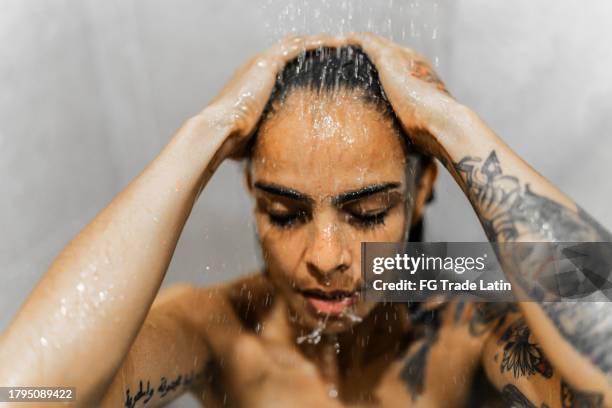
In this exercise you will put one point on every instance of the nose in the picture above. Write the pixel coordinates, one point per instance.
(327, 251)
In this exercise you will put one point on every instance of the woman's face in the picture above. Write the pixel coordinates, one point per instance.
(328, 172)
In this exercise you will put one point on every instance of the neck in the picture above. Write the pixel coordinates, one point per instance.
(382, 334)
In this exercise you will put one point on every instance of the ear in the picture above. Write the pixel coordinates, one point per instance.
(424, 189)
(248, 177)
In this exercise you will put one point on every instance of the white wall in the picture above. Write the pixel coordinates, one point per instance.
(539, 73)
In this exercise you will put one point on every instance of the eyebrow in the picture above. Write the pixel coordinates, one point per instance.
(364, 192)
(338, 200)
(283, 192)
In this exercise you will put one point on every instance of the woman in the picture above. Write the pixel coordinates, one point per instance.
(328, 167)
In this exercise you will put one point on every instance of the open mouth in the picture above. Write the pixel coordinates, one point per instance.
(330, 302)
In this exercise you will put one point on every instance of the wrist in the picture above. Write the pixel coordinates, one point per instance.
(458, 131)
(203, 139)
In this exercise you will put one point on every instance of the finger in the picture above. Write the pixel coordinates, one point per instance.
(418, 66)
(288, 50)
(376, 44)
(381, 40)
(382, 43)
(369, 43)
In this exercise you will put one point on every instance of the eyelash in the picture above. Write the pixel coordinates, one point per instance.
(289, 220)
(286, 220)
(369, 220)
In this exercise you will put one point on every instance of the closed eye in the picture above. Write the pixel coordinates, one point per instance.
(368, 220)
(287, 219)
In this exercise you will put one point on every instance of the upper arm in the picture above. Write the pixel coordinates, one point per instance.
(167, 356)
(516, 365)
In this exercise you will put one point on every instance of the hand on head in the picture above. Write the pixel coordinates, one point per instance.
(242, 100)
(416, 93)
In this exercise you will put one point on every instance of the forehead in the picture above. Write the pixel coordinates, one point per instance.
(326, 144)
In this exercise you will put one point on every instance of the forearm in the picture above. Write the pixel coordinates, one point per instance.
(493, 177)
(79, 322)
(513, 201)
(516, 204)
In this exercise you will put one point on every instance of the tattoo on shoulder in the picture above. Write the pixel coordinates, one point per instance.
(414, 371)
(521, 357)
(514, 398)
(571, 398)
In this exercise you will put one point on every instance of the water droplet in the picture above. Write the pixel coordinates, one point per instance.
(80, 287)
(43, 342)
(350, 314)
(314, 337)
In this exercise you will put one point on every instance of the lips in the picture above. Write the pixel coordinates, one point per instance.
(329, 302)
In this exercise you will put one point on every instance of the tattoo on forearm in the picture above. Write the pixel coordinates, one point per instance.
(510, 211)
(588, 327)
(521, 357)
(165, 386)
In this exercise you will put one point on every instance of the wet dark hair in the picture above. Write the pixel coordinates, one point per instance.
(325, 70)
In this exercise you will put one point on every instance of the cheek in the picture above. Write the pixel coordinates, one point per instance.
(283, 249)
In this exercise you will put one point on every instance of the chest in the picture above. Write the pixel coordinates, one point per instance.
(441, 369)
(437, 370)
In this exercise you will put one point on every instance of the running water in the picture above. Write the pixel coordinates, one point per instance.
(417, 24)
(350, 314)
(314, 337)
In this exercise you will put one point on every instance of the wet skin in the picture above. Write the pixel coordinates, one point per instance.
(284, 338)
(363, 366)
(344, 164)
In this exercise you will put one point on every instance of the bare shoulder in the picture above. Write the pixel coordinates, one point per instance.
(186, 329)
(236, 305)
(249, 286)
